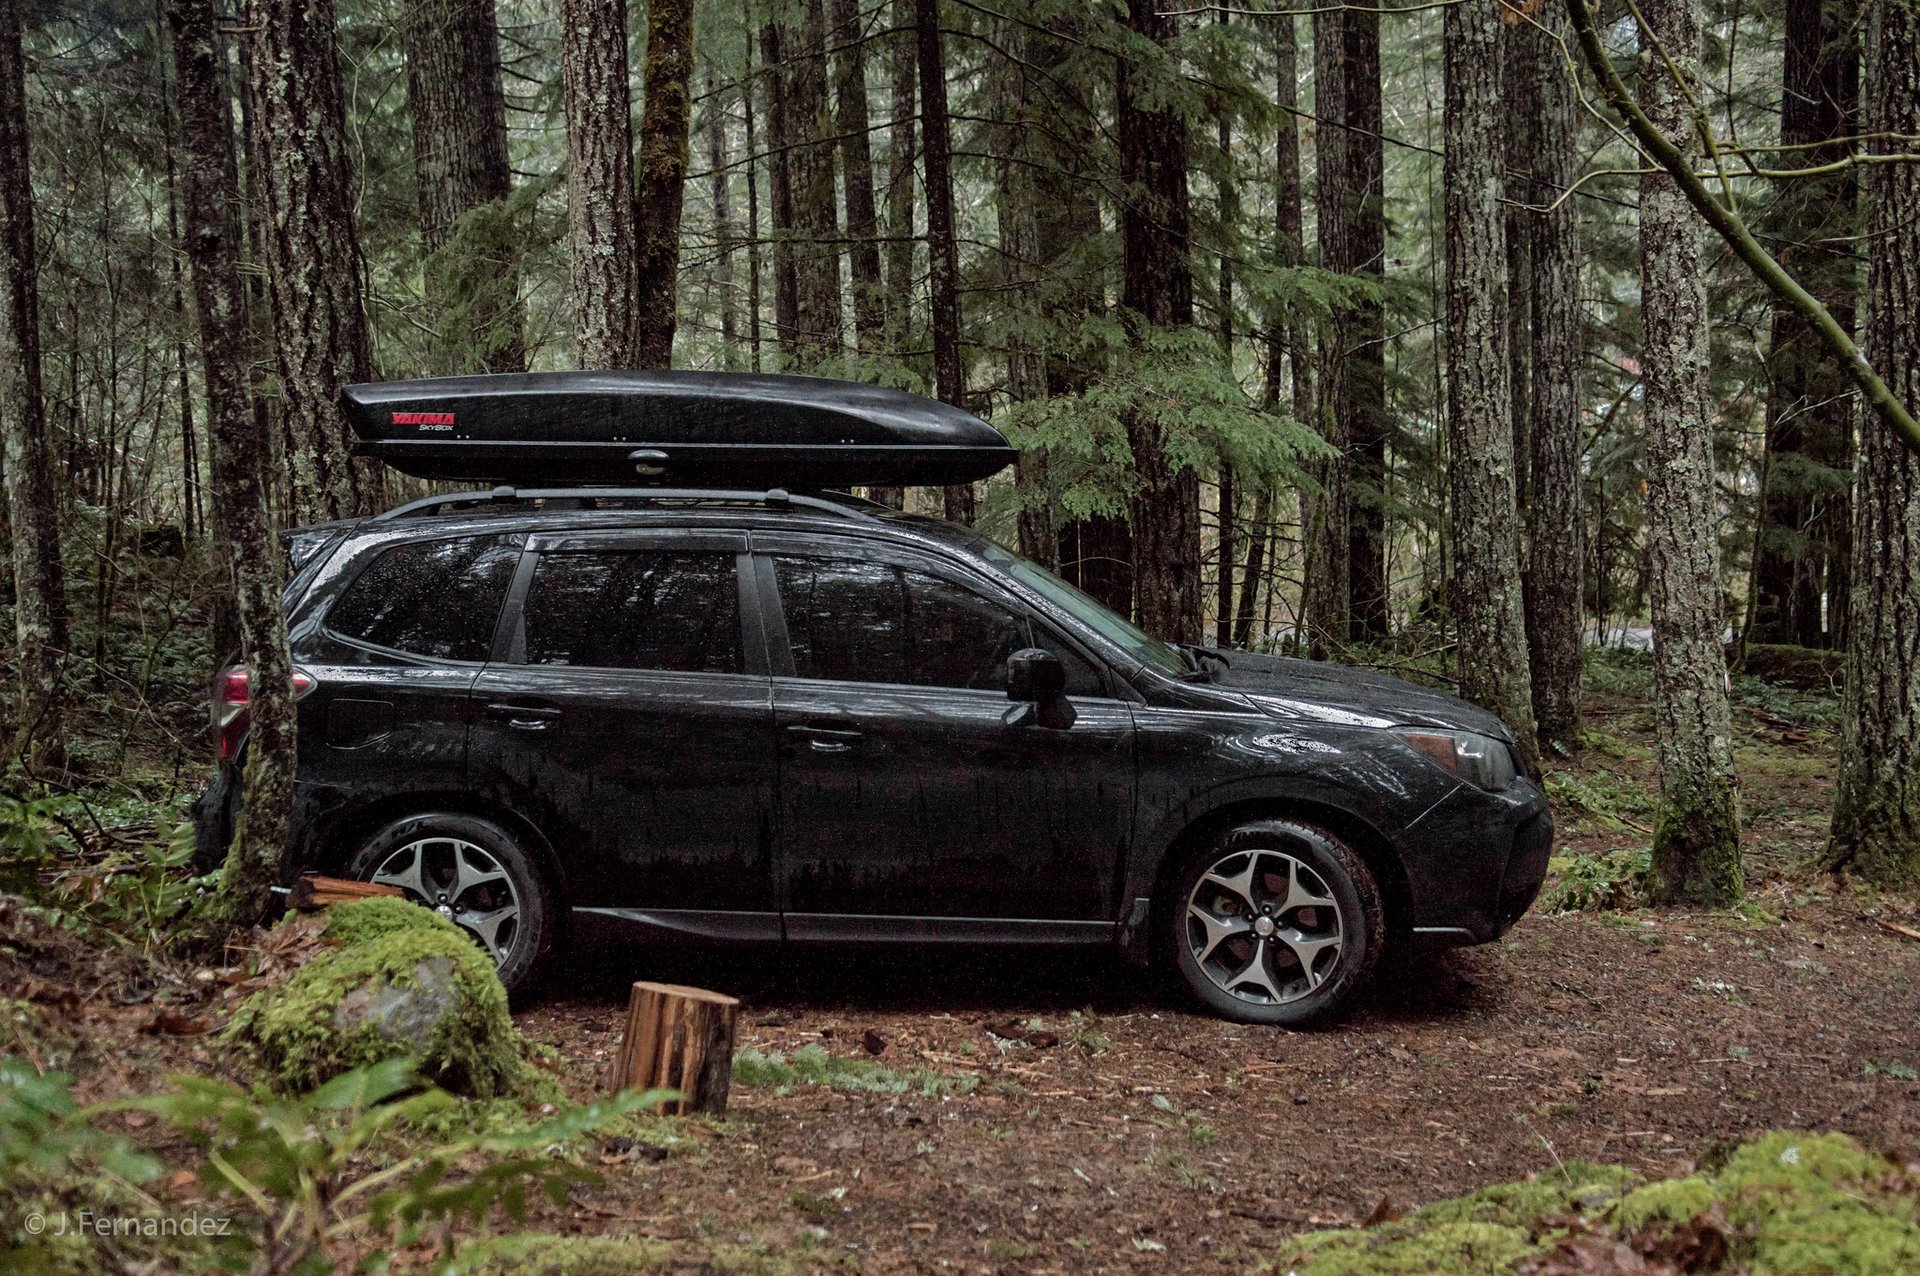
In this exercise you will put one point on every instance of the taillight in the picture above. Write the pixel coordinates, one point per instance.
(230, 706)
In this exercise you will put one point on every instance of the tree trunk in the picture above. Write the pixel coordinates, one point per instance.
(600, 213)
(33, 513)
(720, 285)
(1326, 601)
(1365, 392)
(660, 177)
(905, 53)
(1800, 546)
(949, 373)
(460, 160)
(781, 132)
(856, 169)
(1554, 567)
(1157, 291)
(1489, 624)
(1875, 833)
(1696, 835)
(753, 210)
(1227, 209)
(816, 218)
(1016, 205)
(678, 1038)
(242, 464)
(312, 252)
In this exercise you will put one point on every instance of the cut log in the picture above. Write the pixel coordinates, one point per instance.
(678, 1038)
(313, 892)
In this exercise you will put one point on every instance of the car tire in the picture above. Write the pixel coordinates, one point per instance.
(1274, 922)
(471, 871)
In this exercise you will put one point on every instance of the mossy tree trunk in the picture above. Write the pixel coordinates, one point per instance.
(242, 464)
(33, 515)
(600, 212)
(1696, 836)
(1553, 572)
(459, 114)
(943, 275)
(312, 256)
(1875, 832)
(660, 177)
(1488, 619)
(1156, 241)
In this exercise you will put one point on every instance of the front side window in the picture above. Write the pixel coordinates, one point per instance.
(430, 598)
(852, 621)
(675, 611)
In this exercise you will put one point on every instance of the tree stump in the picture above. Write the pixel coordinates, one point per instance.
(678, 1038)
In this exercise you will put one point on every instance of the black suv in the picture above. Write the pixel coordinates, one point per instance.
(762, 717)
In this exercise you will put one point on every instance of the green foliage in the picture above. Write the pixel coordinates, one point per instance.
(1596, 883)
(812, 1065)
(34, 837)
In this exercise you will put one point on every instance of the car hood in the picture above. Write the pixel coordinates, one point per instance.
(1312, 689)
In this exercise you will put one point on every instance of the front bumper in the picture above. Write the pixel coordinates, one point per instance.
(1475, 863)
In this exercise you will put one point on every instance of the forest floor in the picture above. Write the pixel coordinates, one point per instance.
(1016, 1112)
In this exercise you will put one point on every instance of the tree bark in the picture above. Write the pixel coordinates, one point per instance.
(601, 234)
(660, 177)
(856, 169)
(242, 464)
(1157, 291)
(313, 261)
(33, 515)
(936, 156)
(1016, 206)
(1875, 833)
(905, 53)
(816, 218)
(459, 113)
(1800, 545)
(1696, 836)
(678, 1038)
(1365, 392)
(1327, 596)
(720, 283)
(1489, 623)
(782, 131)
(1554, 568)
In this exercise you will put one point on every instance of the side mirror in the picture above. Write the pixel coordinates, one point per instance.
(1035, 676)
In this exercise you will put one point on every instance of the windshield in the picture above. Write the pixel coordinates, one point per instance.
(1114, 628)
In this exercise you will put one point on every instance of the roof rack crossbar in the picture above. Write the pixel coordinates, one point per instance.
(772, 498)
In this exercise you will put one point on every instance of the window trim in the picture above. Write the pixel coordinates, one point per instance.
(767, 547)
(352, 572)
(510, 644)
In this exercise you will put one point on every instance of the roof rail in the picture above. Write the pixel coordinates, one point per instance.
(776, 498)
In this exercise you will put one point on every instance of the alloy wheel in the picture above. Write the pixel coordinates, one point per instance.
(463, 883)
(1264, 927)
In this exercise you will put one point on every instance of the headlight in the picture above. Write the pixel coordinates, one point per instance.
(1477, 759)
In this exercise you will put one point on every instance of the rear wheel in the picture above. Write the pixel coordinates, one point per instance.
(476, 875)
(1275, 922)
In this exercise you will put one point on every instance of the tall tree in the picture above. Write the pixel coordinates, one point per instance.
(856, 170)
(720, 285)
(661, 177)
(1876, 810)
(1327, 596)
(1553, 573)
(816, 217)
(1017, 211)
(1489, 625)
(314, 267)
(783, 139)
(1800, 545)
(1363, 393)
(459, 114)
(1696, 836)
(601, 253)
(39, 585)
(936, 157)
(242, 461)
(904, 61)
(1157, 292)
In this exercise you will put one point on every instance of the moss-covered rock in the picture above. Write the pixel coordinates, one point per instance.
(365, 920)
(422, 991)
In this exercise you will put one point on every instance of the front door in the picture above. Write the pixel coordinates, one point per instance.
(631, 720)
(912, 804)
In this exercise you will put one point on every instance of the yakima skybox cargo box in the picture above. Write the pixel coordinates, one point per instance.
(682, 429)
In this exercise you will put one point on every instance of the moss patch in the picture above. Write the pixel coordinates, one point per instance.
(541, 1254)
(365, 920)
(418, 991)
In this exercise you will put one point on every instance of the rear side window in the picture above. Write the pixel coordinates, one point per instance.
(674, 611)
(430, 598)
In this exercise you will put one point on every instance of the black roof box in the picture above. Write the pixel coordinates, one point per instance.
(683, 429)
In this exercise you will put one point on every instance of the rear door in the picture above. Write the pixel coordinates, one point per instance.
(911, 807)
(628, 715)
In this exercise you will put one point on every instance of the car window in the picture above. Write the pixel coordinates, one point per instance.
(431, 598)
(677, 611)
(854, 621)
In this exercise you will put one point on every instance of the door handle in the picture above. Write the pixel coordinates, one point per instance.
(826, 739)
(525, 717)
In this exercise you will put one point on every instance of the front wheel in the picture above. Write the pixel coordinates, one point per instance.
(473, 873)
(1275, 922)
